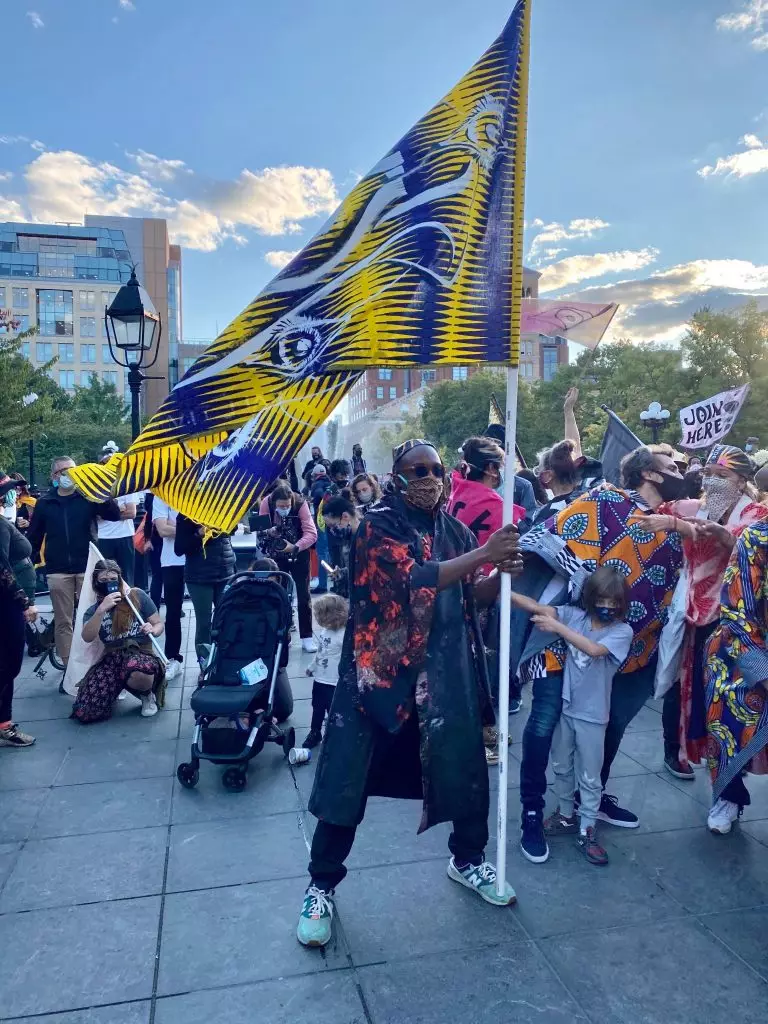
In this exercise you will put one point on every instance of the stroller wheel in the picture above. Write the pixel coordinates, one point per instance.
(234, 779)
(289, 740)
(188, 775)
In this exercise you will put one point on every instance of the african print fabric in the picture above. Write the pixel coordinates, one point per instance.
(737, 662)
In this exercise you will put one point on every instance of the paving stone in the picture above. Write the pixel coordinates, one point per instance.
(126, 1013)
(510, 983)
(242, 934)
(31, 766)
(658, 805)
(746, 933)
(86, 869)
(385, 911)
(18, 813)
(704, 872)
(647, 720)
(330, 998)
(78, 956)
(104, 806)
(647, 748)
(148, 759)
(8, 854)
(37, 709)
(257, 849)
(757, 829)
(628, 975)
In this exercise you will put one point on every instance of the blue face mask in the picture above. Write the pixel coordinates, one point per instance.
(500, 486)
(605, 615)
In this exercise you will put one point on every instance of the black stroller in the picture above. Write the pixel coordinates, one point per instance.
(252, 621)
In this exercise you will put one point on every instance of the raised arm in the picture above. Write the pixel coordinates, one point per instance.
(571, 426)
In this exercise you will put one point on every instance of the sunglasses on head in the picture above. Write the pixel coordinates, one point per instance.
(422, 472)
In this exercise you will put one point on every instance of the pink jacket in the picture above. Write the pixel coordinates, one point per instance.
(308, 528)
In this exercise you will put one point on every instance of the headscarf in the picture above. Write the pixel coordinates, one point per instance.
(730, 457)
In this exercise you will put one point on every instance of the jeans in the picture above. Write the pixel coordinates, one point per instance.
(120, 550)
(12, 647)
(547, 701)
(331, 845)
(173, 585)
(64, 588)
(205, 597)
(670, 723)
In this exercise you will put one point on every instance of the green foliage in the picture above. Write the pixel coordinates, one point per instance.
(720, 351)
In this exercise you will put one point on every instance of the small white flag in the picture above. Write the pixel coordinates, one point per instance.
(709, 421)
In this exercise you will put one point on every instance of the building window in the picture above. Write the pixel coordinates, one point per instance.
(23, 322)
(44, 351)
(460, 373)
(2, 297)
(67, 379)
(21, 298)
(87, 302)
(85, 378)
(379, 392)
(103, 328)
(550, 363)
(427, 376)
(87, 353)
(26, 349)
(109, 377)
(107, 297)
(54, 312)
(392, 393)
(105, 355)
(385, 374)
(87, 326)
(66, 353)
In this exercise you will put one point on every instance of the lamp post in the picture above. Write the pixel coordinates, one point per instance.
(655, 417)
(133, 330)
(26, 401)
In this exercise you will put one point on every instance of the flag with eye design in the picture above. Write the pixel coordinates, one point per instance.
(421, 265)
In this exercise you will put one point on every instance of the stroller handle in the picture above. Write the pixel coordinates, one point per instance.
(264, 574)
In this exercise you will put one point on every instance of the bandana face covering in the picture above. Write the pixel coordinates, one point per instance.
(424, 493)
(721, 495)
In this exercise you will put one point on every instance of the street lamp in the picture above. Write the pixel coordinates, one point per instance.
(656, 418)
(133, 328)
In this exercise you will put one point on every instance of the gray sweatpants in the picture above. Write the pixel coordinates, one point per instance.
(577, 758)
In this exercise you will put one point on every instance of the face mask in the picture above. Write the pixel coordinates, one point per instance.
(605, 615)
(104, 587)
(342, 483)
(720, 495)
(282, 512)
(365, 496)
(65, 482)
(424, 493)
(671, 488)
(341, 532)
(10, 499)
(499, 488)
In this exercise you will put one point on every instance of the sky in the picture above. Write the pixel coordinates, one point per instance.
(244, 123)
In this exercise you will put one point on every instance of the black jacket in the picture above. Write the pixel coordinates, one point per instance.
(215, 564)
(67, 525)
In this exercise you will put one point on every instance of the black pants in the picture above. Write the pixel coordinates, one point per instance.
(299, 569)
(12, 648)
(670, 723)
(156, 589)
(331, 845)
(322, 698)
(120, 550)
(737, 792)
(173, 586)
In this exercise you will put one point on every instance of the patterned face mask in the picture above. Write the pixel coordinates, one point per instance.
(424, 493)
(720, 495)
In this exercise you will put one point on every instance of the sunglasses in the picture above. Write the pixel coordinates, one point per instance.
(421, 472)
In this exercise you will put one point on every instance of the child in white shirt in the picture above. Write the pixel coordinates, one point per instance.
(330, 613)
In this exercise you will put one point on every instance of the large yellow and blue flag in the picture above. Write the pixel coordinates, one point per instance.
(421, 265)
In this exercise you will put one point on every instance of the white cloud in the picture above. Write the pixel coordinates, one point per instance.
(10, 210)
(659, 306)
(6, 175)
(202, 214)
(753, 159)
(581, 227)
(752, 18)
(35, 19)
(279, 258)
(574, 269)
(127, 5)
(551, 254)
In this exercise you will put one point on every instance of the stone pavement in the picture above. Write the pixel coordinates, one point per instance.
(125, 899)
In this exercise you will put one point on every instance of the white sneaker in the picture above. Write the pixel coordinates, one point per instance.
(722, 816)
(122, 695)
(174, 670)
(149, 705)
(309, 645)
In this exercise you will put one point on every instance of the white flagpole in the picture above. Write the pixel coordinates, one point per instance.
(504, 636)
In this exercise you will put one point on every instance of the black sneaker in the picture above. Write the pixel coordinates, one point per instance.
(680, 769)
(314, 739)
(515, 703)
(613, 814)
(532, 841)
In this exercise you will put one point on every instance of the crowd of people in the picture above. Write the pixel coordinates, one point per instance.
(656, 586)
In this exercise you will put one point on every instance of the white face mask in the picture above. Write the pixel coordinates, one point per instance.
(65, 482)
(365, 495)
(282, 512)
(720, 495)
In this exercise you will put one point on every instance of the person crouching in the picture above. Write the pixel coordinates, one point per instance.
(128, 660)
(331, 614)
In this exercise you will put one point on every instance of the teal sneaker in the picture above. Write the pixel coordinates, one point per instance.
(481, 878)
(316, 920)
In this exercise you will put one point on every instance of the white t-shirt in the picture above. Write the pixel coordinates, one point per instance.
(325, 667)
(162, 511)
(124, 527)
